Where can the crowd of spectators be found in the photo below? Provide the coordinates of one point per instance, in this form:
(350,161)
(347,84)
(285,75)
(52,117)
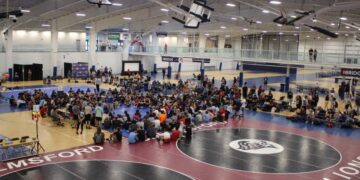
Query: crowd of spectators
(169,111)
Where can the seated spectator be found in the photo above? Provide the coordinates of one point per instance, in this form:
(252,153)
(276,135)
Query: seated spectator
(141,134)
(99,137)
(133,137)
(12,101)
(116,136)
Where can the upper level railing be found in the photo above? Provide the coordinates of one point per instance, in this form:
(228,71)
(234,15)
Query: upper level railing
(321,58)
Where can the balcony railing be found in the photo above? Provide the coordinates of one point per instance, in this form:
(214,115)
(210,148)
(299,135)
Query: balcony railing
(261,55)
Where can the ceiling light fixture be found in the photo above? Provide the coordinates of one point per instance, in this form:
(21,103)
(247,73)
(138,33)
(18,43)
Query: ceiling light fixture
(45,25)
(125,29)
(164,21)
(275,2)
(265,11)
(297,27)
(207,34)
(25,10)
(343,18)
(223,27)
(279,25)
(245,29)
(117,4)
(332,24)
(80,14)
(127,18)
(347,27)
(234,18)
(88,27)
(164,10)
(230,5)
(258,22)
(264,31)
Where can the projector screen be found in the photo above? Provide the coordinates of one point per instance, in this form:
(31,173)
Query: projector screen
(132,67)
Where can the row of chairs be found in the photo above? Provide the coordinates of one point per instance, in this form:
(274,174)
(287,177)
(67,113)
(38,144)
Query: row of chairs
(14,152)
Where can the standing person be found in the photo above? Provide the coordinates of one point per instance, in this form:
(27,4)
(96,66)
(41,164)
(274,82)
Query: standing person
(357,102)
(266,79)
(315,55)
(245,90)
(97,83)
(76,114)
(165,48)
(311,52)
(99,111)
(163,72)
(80,123)
(29,75)
(16,76)
(88,112)
(327,99)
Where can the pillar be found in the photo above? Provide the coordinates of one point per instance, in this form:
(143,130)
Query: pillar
(169,70)
(179,68)
(220,67)
(154,71)
(202,43)
(9,53)
(287,79)
(202,70)
(221,43)
(181,46)
(54,48)
(241,75)
(238,66)
(92,45)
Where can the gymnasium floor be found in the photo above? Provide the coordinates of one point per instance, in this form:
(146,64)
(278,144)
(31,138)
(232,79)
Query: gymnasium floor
(280,149)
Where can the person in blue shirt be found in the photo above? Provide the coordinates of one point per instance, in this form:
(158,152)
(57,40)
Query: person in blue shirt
(132,137)
(206,117)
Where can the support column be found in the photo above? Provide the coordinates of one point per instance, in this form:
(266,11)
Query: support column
(169,70)
(9,53)
(179,68)
(92,46)
(287,79)
(54,48)
(220,68)
(202,43)
(202,70)
(181,47)
(221,43)
(241,75)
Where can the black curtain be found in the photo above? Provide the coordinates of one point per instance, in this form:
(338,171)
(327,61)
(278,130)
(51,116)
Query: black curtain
(18,72)
(26,72)
(67,68)
(37,72)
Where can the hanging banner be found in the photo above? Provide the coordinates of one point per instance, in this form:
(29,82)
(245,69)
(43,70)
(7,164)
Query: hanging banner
(199,60)
(113,36)
(350,72)
(169,59)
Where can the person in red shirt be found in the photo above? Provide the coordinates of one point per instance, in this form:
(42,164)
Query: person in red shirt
(175,135)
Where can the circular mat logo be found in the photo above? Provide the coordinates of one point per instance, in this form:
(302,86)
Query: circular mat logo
(256,146)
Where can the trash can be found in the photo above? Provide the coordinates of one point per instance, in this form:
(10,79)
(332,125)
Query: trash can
(282,87)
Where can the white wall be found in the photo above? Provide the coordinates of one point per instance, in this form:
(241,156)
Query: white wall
(2,63)
(41,40)
(67,40)
(332,50)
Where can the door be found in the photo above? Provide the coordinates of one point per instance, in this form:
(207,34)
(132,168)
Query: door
(37,72)
(67,68)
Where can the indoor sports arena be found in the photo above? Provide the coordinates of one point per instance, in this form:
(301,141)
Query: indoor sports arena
(180,89)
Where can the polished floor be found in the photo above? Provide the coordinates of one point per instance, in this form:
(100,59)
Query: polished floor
(260,146)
